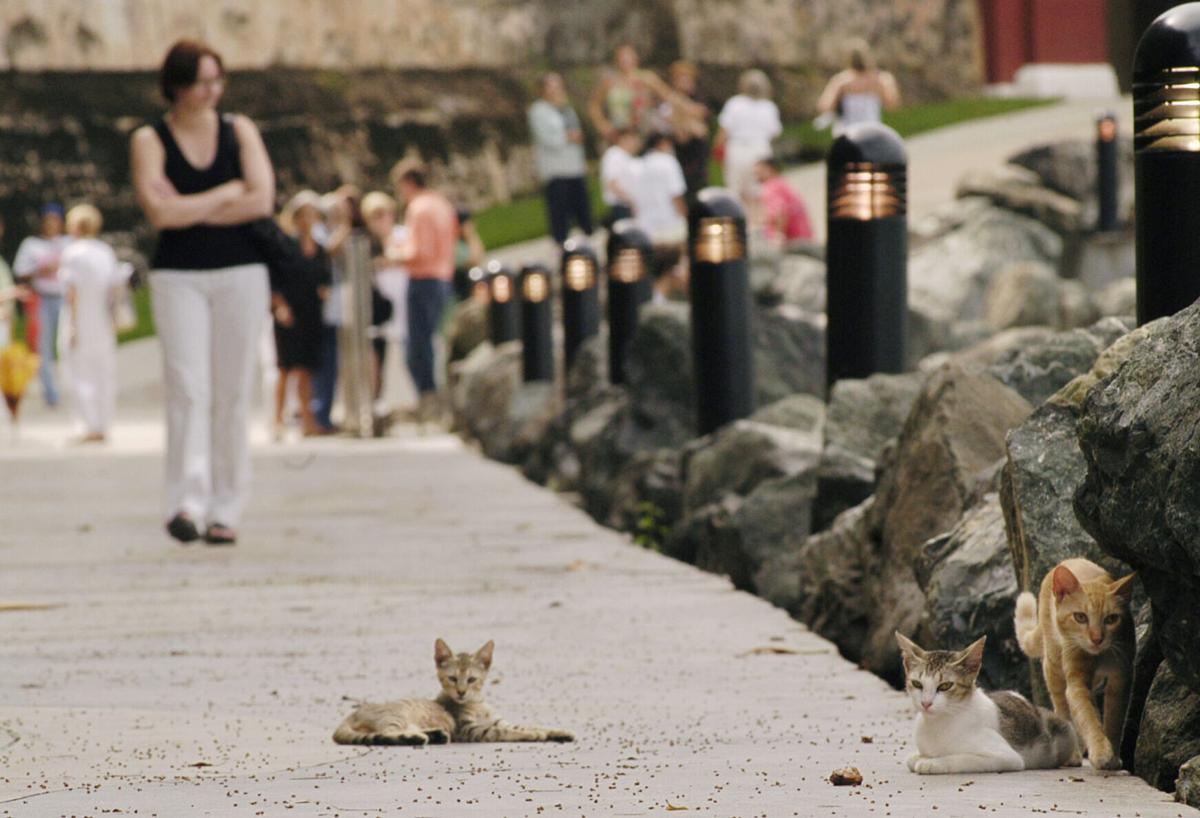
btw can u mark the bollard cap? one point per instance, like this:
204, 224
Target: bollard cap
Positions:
868, 142
629, 251
626, 233
1172, 41
716, 227
717, 202
578, 265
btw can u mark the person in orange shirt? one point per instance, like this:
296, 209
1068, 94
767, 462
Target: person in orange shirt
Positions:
428, 253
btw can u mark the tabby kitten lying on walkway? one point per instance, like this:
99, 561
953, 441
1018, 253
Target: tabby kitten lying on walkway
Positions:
1081, 629
962, 729
458, 714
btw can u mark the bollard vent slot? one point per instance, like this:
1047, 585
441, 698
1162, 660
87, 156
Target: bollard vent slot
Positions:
1166, 110
535, 288
629, 266
580, 274
718, 239
864, 191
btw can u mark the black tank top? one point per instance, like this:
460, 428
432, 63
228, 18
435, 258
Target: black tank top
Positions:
204, 247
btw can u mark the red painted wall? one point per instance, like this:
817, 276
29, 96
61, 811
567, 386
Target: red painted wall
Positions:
1017, 32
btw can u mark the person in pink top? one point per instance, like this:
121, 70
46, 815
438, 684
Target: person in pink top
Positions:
784, 217
428, 253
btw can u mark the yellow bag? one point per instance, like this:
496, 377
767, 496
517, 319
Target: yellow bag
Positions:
18, 365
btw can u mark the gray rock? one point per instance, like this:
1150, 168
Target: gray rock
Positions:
1039, 368
945, 218
659, 372
820, 580
1076, 307
970, 591
789, 353
466, 329
803, 413
649, 486
1020, 190
1024, 294
1140, 498
1118, 298
948, 276
531, 414
1170, 734
1187, 785
863, 415
798, 280
1069, 167
589, 371
774, 518
955, 430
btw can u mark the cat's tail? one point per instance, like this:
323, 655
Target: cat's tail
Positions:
348, 735
1029, 631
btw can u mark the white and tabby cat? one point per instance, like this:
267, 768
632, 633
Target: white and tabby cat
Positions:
457, 714
962, 729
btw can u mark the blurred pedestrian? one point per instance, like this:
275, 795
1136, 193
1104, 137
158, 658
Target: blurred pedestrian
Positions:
659, 206
749, 122
37, 264
860, 93
558, 147
389, 288
91, 279
468, 254
9, 294
619, 168
688, 124
330, 234
783, 216
626, 96
428, 252
298, 319
201, 177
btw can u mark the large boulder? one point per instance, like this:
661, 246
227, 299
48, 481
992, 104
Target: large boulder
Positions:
948, 276
1187, 785
955, 431
659, 373
1039, 368
970, 591
648, 492
1140, 498
1118, 298
1020, 190
793, 279
863, 415
466, 329
789, 353
1170, 733
1024, 294
819, 580
1069, 167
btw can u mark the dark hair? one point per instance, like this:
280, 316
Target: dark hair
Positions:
414, 175
464, 215
771, 162
182, 65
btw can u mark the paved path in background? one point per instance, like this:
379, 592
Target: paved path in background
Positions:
936, 161
152, 679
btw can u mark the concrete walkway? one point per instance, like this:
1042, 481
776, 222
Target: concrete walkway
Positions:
144, 677
936, 161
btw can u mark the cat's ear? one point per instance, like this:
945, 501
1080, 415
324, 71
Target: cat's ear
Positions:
441, 653
1065, 583
910, 651
970, 659
484, 654
1123, 587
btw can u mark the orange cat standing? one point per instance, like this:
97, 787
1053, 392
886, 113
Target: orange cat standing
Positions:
1081, 628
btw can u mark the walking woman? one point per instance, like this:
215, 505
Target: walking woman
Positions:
201, 176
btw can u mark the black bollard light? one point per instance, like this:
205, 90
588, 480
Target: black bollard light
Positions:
504, 312
720, 296
581, 303
537, 324
866, 255
629, 252
1106, 172
1166, 163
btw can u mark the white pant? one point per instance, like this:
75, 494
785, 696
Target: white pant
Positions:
93, 367
740, 159
208, 322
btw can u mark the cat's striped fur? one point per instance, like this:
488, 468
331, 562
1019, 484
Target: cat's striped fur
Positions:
457, 714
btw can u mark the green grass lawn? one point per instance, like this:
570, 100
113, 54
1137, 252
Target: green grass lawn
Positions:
524, 218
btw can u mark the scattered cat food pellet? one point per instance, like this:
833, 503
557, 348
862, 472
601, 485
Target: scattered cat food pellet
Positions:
846, 777
868, 739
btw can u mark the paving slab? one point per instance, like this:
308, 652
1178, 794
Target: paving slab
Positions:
153, 679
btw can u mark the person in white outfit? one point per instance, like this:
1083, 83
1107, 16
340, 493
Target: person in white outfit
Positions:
91, 277
860, 93
202, 177
748, 123
661, 212
619, 169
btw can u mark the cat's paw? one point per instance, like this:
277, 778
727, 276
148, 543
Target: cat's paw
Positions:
929, 766
560, 735
911, 762
438, 736
1103, 758
413, 739
1076, 760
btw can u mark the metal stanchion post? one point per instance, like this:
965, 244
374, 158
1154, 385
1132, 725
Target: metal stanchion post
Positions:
629, 252
866, 254
720, 296
1166, 162
581, 303
504, 311
1106, 172
537, 324
354, 342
